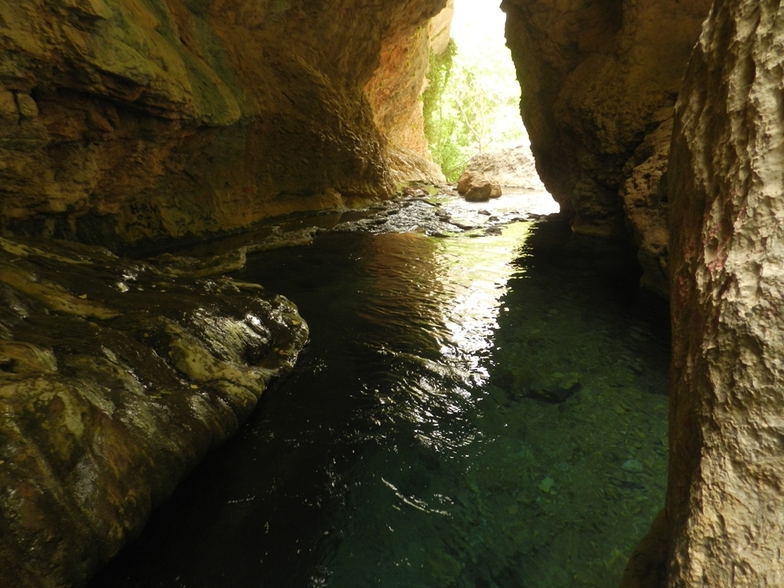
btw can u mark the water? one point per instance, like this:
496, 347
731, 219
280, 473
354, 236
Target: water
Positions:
483, 409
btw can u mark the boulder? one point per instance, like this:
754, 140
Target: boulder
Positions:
477, 188
512, 167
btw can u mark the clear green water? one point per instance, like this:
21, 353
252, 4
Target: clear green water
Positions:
406, 449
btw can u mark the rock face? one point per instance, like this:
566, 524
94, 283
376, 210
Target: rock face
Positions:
600, 80
394, 93
645, 205
513, 167
122, 121
726, 177
116, 377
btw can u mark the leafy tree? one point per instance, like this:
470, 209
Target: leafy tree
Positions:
470, 106
440, 123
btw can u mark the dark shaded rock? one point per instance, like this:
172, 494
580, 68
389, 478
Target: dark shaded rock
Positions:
555, 388
647, 566
600, 77
116, 377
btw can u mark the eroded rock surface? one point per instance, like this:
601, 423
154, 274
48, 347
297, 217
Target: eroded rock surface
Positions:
726, 177
122, 121
599, 76
645, 205
116, 377
394, 92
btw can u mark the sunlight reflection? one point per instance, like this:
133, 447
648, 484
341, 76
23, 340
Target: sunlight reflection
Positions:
476, 271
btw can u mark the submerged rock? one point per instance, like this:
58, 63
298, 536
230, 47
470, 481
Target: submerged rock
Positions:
632, 466
116, 377
555, 387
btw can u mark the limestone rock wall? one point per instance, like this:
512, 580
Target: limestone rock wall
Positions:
123, 120
116, 377
394, 92
726, 177
597, 78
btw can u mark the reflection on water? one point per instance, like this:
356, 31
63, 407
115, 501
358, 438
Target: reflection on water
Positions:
482, 410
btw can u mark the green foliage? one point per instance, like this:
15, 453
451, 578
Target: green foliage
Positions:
470, 106
440, 128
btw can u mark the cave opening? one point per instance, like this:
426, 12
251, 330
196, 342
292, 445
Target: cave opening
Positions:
130, 125
475, 408
471, 105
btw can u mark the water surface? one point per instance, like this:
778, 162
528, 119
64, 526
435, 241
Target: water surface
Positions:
476, 408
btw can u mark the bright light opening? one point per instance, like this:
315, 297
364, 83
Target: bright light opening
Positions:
472, 103
478, 30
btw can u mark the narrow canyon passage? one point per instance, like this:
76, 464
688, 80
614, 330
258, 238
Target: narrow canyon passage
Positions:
475, 408
128, 126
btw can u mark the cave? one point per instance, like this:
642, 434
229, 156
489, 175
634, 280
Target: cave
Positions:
132, 127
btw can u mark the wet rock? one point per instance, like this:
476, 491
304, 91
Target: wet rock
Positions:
509, 578
555, 388
116, 377
647, 566
546, 485
632, 466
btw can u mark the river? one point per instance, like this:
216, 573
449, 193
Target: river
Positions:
482, 404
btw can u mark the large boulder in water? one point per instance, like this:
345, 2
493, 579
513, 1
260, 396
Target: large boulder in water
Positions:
514, 167
477, 188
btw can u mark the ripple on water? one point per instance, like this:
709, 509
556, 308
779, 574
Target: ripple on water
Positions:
407, 449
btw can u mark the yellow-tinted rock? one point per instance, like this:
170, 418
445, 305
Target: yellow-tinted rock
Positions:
726, 480
123, 121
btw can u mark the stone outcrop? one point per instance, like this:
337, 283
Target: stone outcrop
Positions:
122, 121
116, 377
513, 167
600, 79
394, 93
125, 122
645, 205
726, 176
